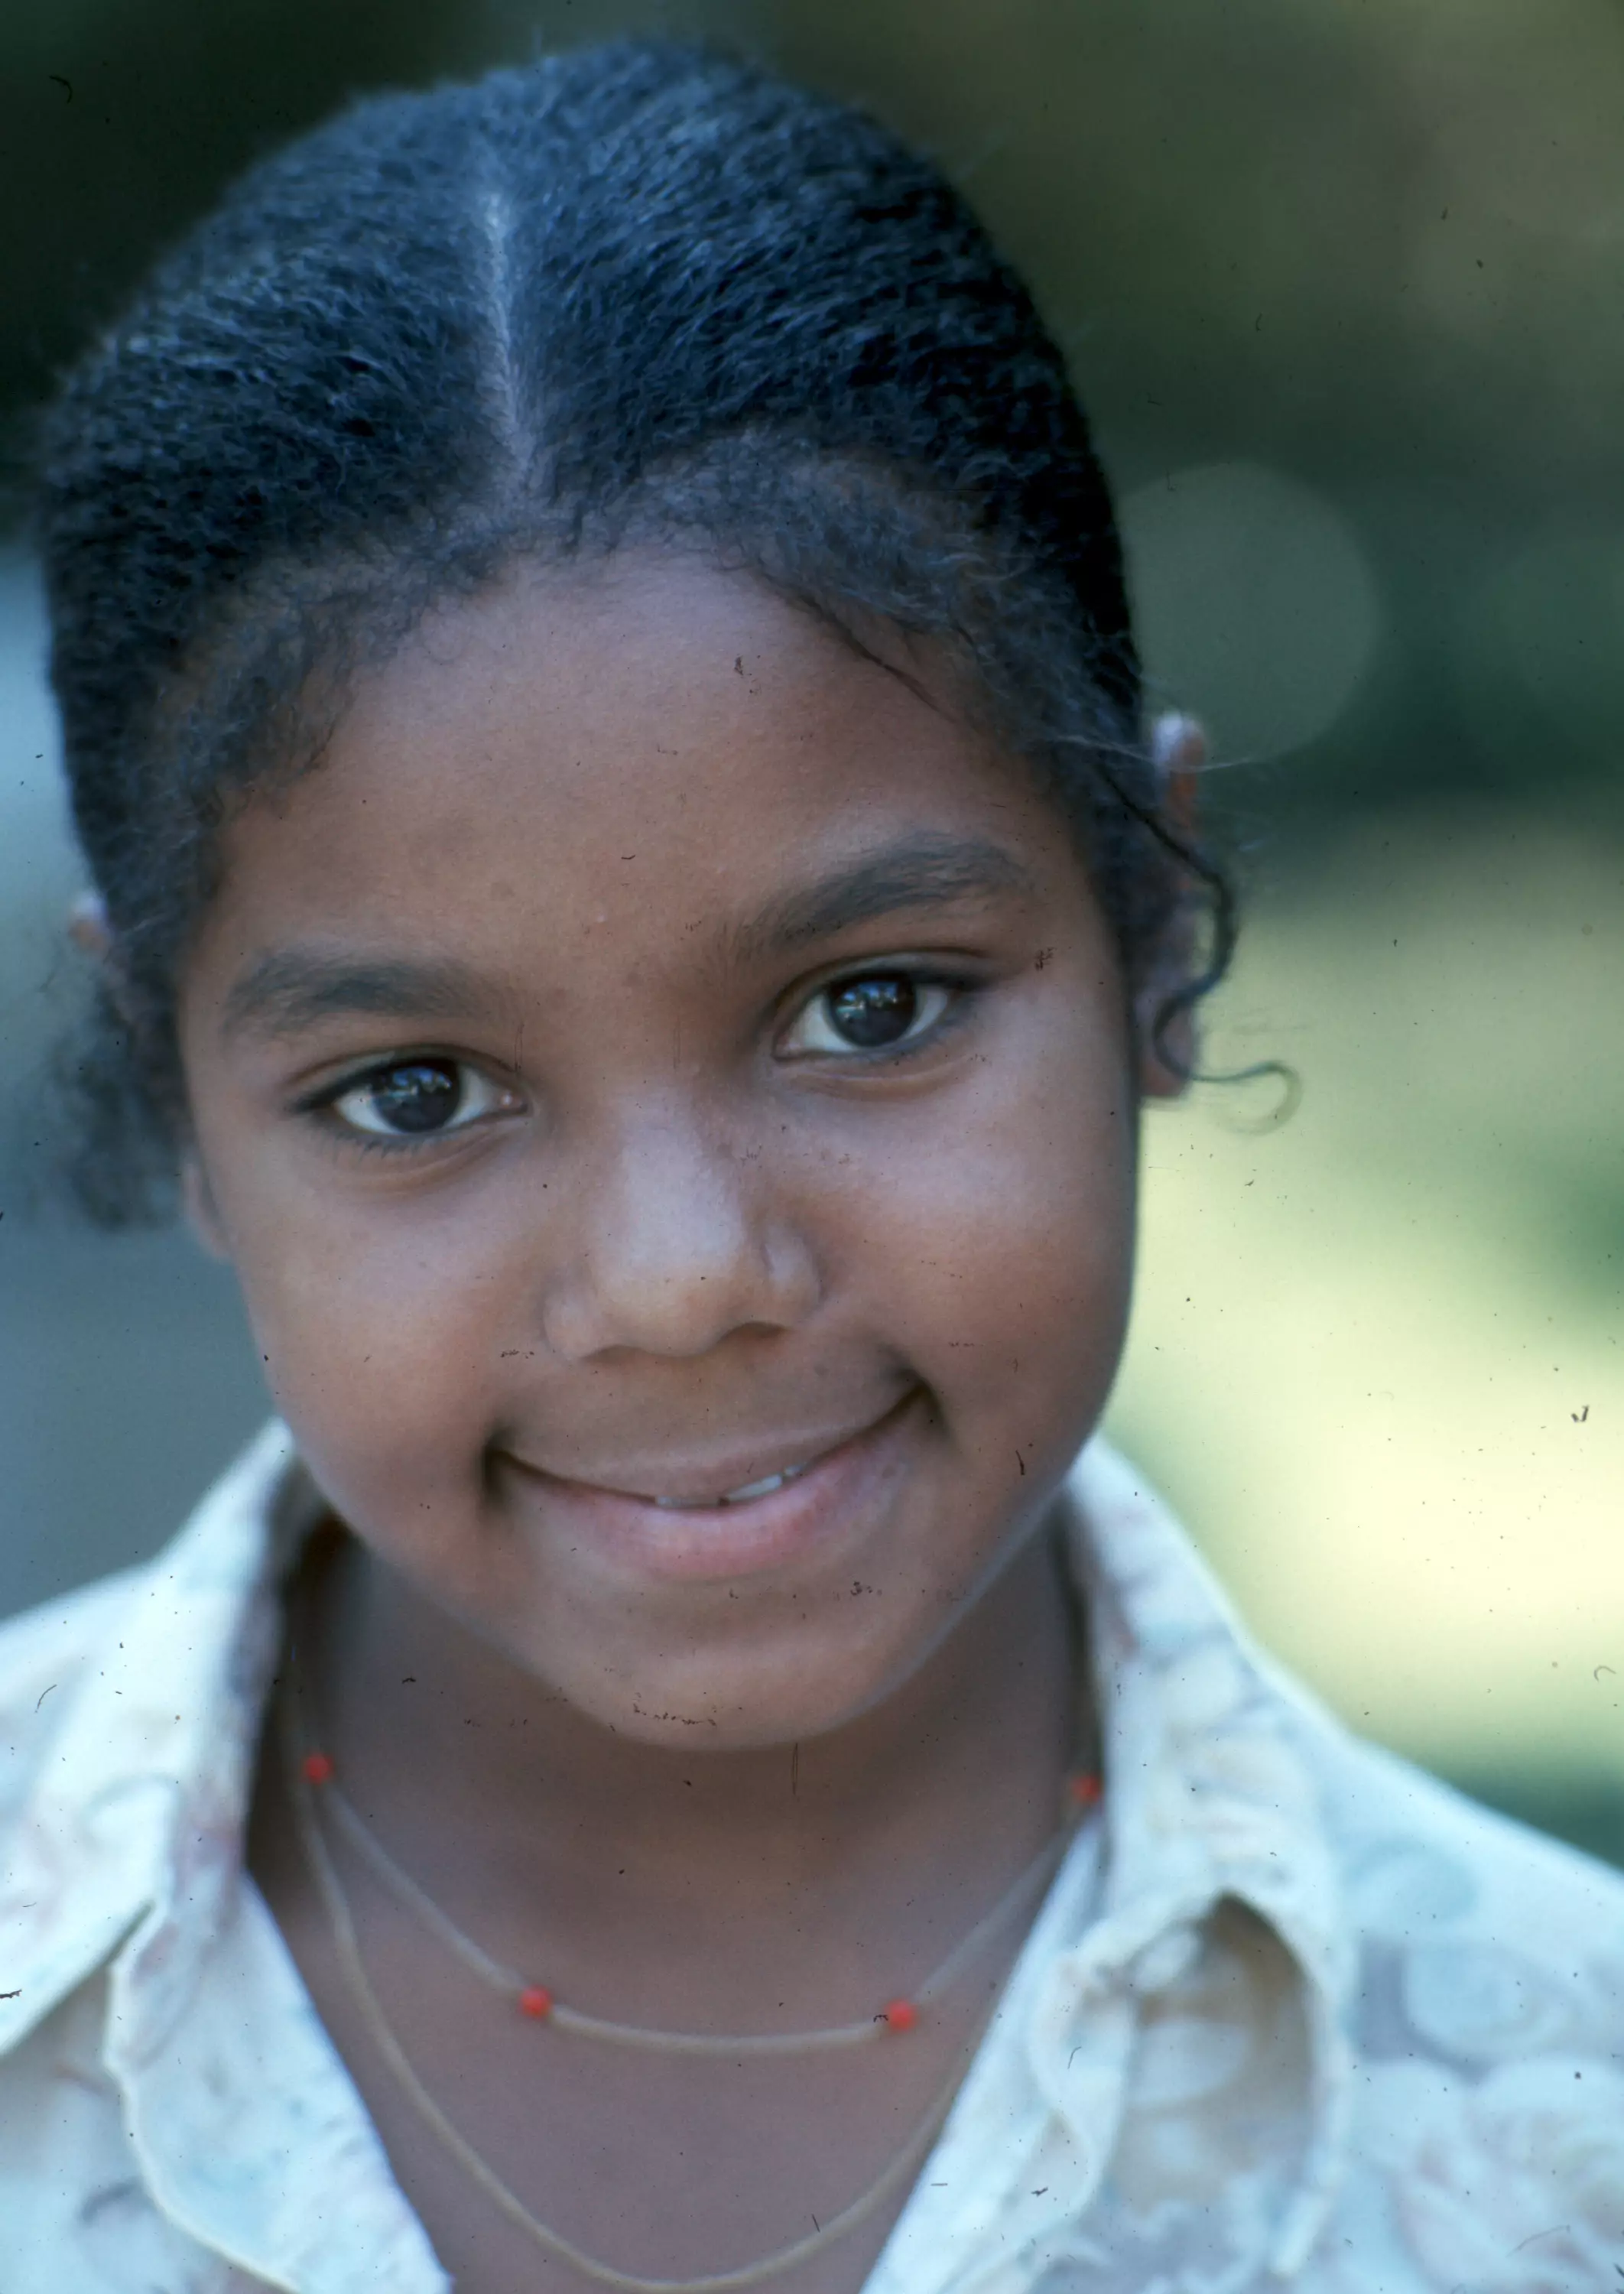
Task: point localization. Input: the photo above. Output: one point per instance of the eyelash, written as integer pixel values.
(323, 1105)
(958, 991)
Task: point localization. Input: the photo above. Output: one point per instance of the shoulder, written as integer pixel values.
(1462, 2019)
(1428, 1873)
(47, 1655)
(1486, 2012)
(145, 1677)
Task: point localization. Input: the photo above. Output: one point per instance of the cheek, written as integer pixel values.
(378, 1326)
(998, 1247)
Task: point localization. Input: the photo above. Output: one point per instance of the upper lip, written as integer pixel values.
(702, 1480)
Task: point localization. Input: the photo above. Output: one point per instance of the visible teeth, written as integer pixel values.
(743, 1496)
(759, 1489)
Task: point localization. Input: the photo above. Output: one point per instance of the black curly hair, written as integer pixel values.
(639, 292)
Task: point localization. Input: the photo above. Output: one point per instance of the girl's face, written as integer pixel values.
(663, 1084)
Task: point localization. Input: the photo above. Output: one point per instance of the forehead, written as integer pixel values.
(643, 746)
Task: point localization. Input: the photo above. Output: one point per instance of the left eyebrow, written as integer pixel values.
(294, 988)
(919, 872)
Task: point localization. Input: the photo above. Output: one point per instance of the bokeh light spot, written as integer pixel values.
(1255, 600)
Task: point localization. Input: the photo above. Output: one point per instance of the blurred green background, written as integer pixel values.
(1344, 288)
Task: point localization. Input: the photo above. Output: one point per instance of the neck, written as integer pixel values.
(500, 1795)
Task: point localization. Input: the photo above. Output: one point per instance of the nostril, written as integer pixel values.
(676, 1246)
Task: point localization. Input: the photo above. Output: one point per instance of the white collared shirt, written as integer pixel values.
(1291, 2013)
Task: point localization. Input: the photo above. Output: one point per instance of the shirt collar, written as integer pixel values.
(129, 1848)
(152, 1759)
(1210, 1794)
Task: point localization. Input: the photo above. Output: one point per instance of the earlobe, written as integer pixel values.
(1179, 749)
(88, 928)
(202, 1212)
(93, 935)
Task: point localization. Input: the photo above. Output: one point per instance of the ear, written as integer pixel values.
(202, 1212)
(1179, 749)
(88, 928)
(92, 934)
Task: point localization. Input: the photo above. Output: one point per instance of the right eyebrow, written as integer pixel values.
(290, 990)
(919, 872)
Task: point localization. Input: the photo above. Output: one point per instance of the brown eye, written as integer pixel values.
(416, 1099)
(876, 1012)
(869, 1013)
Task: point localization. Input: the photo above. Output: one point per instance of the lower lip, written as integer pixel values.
(835, 1499)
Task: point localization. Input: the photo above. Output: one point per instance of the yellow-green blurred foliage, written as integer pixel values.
(1379, 1350)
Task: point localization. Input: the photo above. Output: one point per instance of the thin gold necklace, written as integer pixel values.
(309, 1771)
(538, 2001)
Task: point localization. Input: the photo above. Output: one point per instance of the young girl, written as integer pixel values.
(635, 896)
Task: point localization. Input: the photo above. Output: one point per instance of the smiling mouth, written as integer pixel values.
(822, 1451)
(700, 1529)
(743, 1496)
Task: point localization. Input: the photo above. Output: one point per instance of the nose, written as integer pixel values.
(676, 1244)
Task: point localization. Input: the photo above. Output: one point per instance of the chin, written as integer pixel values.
(740, 1702)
